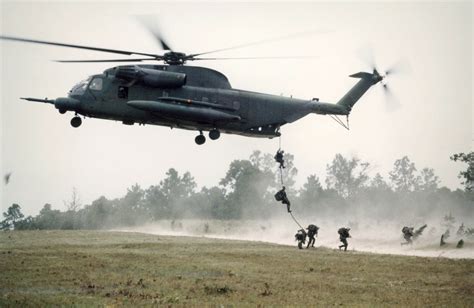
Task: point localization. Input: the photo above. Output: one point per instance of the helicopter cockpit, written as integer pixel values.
(80, 88)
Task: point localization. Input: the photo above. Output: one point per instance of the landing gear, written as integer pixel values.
(214, 134)
(200, 139)
(62, 111)
(76, 121)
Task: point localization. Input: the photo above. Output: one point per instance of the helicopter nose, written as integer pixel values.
(66, 104)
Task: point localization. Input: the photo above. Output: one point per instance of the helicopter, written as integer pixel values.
(188, 97)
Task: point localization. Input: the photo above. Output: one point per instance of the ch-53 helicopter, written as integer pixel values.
(188, 97)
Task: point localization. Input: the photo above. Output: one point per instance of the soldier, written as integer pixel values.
(461, 230)
(300, 236)
(312, 231)
(407, 235)
(444, 237)
(6, 178)
(279, 158)
(442, 241)
(343, 235)
(281, 196)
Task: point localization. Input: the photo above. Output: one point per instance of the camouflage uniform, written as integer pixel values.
(312, 231)
(281, 196)
(300, 236)
(407, 235)
(343, 235)
(279, 158)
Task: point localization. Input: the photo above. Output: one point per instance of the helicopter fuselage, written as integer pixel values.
(205, 102)
(187, 97)
(193, 98)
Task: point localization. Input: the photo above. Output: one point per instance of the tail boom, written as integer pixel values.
(345, 104)
(366, 81)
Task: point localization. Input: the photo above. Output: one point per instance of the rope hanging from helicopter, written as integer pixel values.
(281, 180)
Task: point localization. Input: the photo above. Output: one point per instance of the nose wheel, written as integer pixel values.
(76, 121)
(200, 139)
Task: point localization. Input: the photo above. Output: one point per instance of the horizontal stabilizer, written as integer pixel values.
(361, 75)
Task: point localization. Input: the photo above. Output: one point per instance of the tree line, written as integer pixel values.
(247, 192)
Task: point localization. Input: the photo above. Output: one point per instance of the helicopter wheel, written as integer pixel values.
(214, 134)
(62, 111)
(76, 122)
(200, 139)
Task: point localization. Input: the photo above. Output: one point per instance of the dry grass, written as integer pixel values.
(112, 268)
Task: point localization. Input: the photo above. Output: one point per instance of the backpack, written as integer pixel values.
(279, 196)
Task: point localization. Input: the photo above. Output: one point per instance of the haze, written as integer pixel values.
(47, 157)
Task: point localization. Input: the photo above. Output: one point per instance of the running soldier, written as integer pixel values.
(343, 235)
(312, 232)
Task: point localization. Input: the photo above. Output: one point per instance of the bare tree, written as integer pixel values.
(468, 174)
(75, 203)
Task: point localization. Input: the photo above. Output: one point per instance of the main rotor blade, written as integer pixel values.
(116, 60)
(149, 22)
(274, 39)
(256, 58)
(123, 52)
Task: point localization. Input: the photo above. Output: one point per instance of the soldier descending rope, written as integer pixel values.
(279, 158)
(281, 196)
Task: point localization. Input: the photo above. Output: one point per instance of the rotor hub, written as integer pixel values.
(174, 58)
(377, 77)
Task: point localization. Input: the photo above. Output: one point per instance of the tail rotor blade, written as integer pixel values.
(366, 55)
(400, 67)
(392, 102)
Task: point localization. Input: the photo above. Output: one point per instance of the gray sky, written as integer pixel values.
(48, 157)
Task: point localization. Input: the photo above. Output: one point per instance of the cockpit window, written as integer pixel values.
(96, 84)
(80, 88)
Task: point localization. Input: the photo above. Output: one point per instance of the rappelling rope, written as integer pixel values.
(282, 184)
(296, 220)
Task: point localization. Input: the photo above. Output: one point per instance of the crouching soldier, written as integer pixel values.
(407, 235)
(343, 235)
(300, 237)
(312, 232)
(281, 196)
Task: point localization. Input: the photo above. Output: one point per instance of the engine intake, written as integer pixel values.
(150, 77)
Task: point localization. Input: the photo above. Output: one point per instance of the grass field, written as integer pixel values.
(113, 268)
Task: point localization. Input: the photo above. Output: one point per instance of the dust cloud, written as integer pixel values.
(367, 236)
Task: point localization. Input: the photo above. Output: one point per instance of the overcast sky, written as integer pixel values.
(47, 157)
